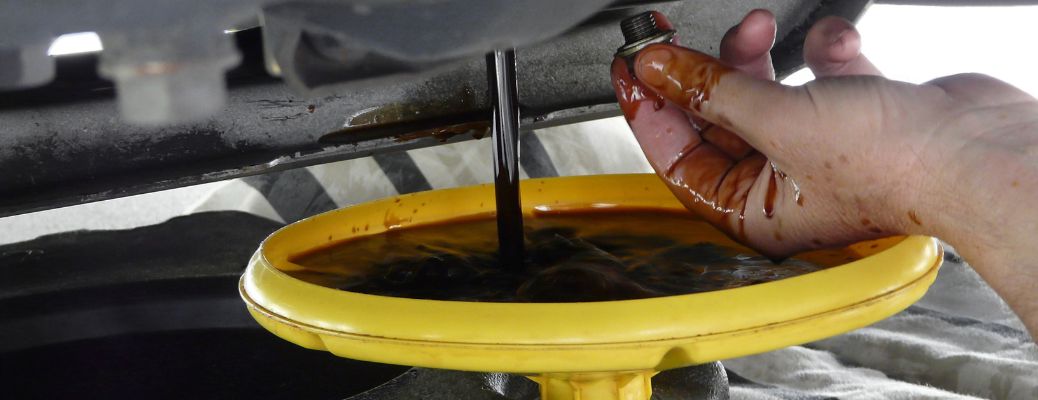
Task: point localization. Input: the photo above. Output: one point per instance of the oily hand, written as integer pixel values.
(783, 169)
(714, 171)
(847, 157)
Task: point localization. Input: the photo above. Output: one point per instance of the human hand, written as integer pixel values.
(848, 157)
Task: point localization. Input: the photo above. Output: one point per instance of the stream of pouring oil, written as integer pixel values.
(504, 94)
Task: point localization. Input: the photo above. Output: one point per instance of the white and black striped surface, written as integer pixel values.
(597, 147)
(959, 341)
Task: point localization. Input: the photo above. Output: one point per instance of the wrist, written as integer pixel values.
(984, 211)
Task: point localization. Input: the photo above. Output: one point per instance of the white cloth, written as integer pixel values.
(959, 341)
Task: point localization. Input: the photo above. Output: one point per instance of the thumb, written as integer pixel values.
(764, 113)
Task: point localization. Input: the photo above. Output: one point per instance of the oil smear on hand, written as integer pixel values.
(714, 173)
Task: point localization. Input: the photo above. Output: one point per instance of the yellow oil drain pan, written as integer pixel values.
(587, 351)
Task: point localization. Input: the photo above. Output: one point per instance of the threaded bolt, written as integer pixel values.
(639, 27)
(639, 31)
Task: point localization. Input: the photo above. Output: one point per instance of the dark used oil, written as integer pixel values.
(501, 79)
(575, 256)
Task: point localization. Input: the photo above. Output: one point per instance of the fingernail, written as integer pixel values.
(838, 37)
(652, 65)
